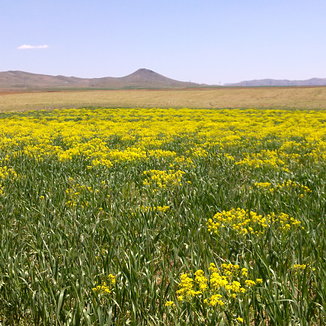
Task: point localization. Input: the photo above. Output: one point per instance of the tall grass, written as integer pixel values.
(66, 225)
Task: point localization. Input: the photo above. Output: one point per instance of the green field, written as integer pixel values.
(161, 216)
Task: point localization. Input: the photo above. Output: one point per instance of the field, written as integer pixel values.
(143, 216)
(263, 97)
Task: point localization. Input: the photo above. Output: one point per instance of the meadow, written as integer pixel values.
(152, 216)
(255, 97)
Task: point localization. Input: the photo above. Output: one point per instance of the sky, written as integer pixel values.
(204, 41)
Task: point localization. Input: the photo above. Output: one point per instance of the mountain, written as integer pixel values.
(142, 78)
(280, 82)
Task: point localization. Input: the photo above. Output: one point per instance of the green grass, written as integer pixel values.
(52, 254)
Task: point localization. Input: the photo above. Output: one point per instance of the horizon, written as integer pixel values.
(206, 42)
(158, 73)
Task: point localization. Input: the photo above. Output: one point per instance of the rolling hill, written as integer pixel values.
(142, 78)
(280, 82)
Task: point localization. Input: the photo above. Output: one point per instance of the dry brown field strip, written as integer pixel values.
(265, 97)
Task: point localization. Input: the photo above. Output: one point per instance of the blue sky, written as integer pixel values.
(207, 41)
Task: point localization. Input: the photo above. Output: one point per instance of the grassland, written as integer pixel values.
(286, 97)
(167, 217)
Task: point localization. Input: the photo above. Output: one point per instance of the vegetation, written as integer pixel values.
(162, 217)
(263, 97)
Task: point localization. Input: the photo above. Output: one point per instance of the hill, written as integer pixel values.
(142, 78)
(280, 82)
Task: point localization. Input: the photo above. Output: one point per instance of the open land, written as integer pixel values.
(269, 97)
(172, 217)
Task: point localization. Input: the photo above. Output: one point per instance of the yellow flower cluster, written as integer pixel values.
(143, 134)
(264, 186)
(287, 185)
(7, 173)
(69, 133)
(154, 208)
(169, 304)
(159, 153)
(163, 179)
(41, 150)
(299, 267)
(130, 154)
(265, 158)
(222, 287)
(248, 222)
(101, 162)
(106, 286)
(198, 152)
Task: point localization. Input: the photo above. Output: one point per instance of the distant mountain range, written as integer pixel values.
(280, 82)
(142, 78)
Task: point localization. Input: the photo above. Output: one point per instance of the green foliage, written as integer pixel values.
(65, 227)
